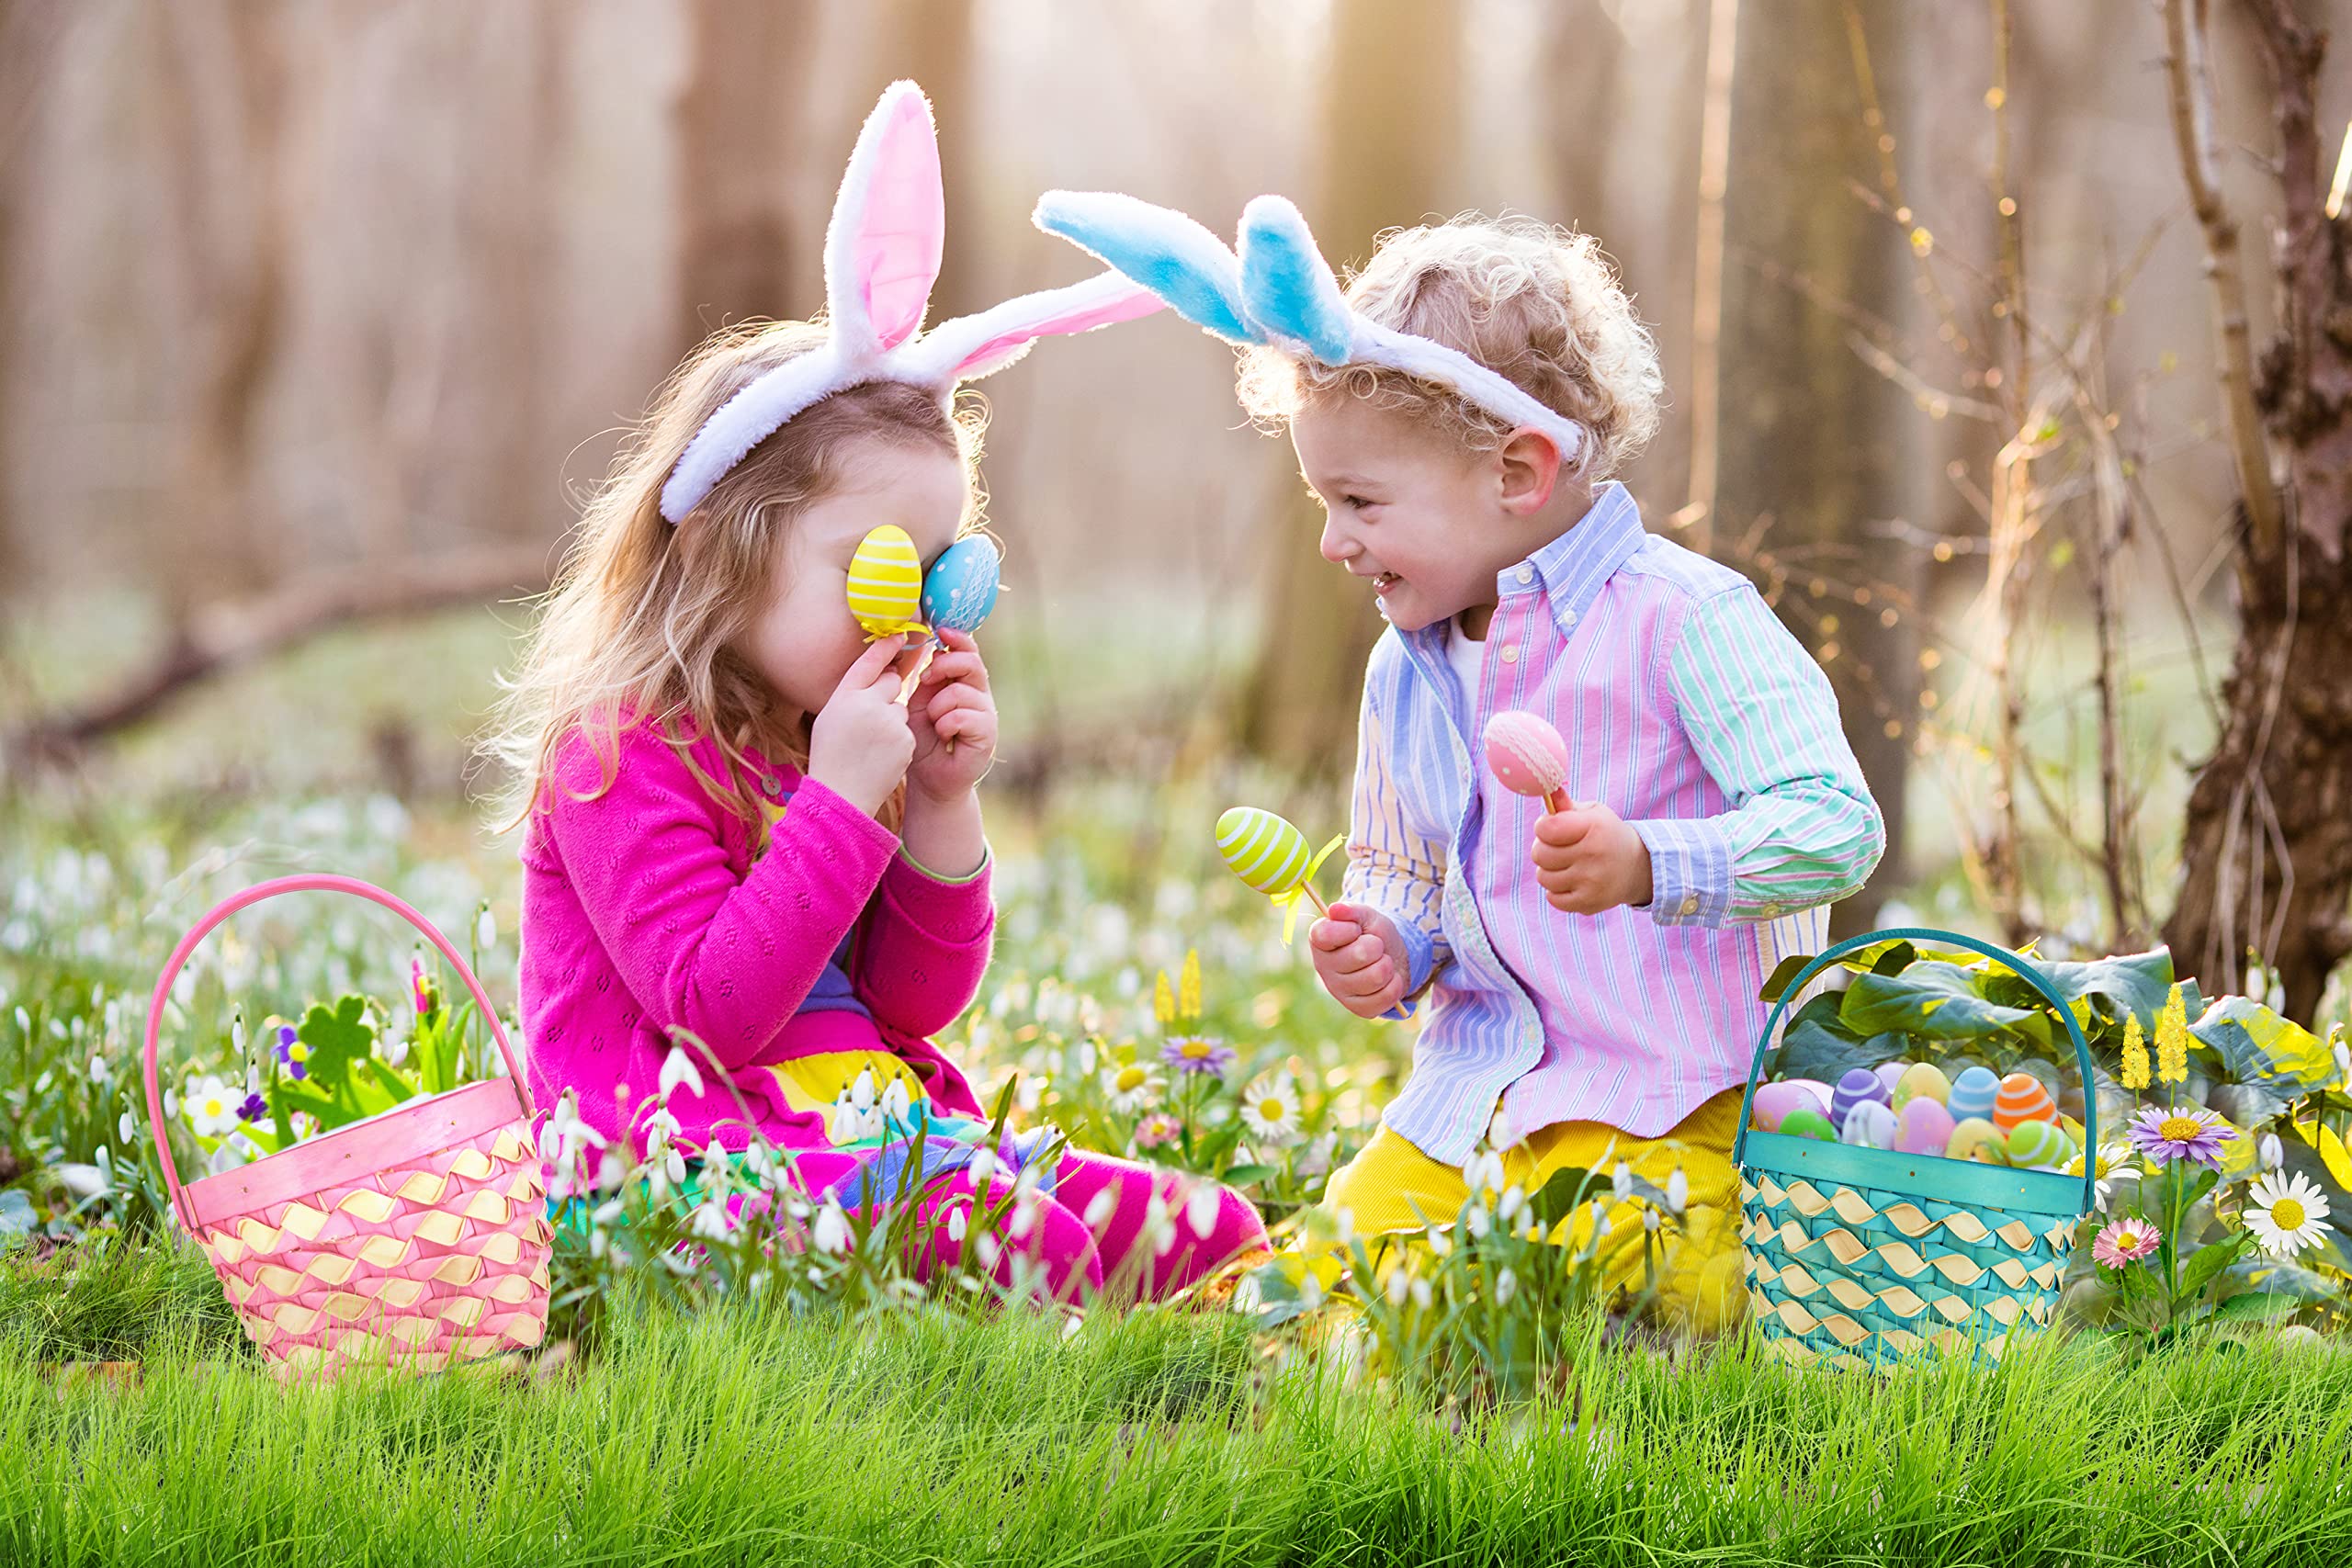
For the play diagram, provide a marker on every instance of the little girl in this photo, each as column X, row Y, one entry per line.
column 1589, row 974
column 739, row 825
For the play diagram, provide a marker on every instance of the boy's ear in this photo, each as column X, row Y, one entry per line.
column 1529, row 466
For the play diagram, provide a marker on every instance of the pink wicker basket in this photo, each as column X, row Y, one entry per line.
column 417, row 1237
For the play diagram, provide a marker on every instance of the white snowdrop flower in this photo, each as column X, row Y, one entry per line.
column 2343, row 1056
column 1620, row 1181
column 598, row 1241
column 98, row 1069
column 1024, row 1220
column 1480, row 1220
column 1200, row 1210
column 171, row 1105
column 989, row 1250
column 1310, row 1293
column 832, row 1233
column 485, row 927
column 1500, row 1132
column 1400, row 1281
column 1513, row 1200
column 1420, row 1293
column 678, row 1068
column 1089, row 1058
column 236, row 1031
column 1441, row 1243
column 1031, row 1094
column 608, row 1213
column 982, row 1168
column 125, row 1126
column 1099, row 1209
column 1600, row 1221
column 1025, row 1184
column 710, row 1221
column 861, row 1093
column 1506, row 1286
column 1650, row 1220
column 959, row 1224
column 394, row 1051
column 674, row 1164
column 2273, row 1156
column 842, row 1128
column 1677, row 1191
column 1071, row 1324
column 1347, row 1222
column 897, row 1104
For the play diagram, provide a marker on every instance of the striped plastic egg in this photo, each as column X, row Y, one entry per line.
column 959, row 590
column 1976, row 1139
column 1872, row 1124
column 1859, row 1086
column 1263, row 850
column 886, row 583
column 2038, row 1145
column 1972, row 1093
column 2023, row 1097
column 1922, row 1127
column 1922, row 1080
column 1776, row 1101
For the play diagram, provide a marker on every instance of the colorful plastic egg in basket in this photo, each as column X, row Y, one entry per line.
column 417, row 1237
column 1857, row 1256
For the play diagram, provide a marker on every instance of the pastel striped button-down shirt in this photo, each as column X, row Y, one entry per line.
column 1689, row 711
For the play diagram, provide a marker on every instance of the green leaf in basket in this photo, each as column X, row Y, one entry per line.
column 2256, row 1046
column 1817, row 1043
column 2133, row 982
column 2253, row 1306
column 1934, row 998
column 336, row 1039
column 1784, row 975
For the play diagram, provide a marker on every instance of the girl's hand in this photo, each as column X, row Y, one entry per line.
column 1359, row 958
column 952, row 703
column 1588, row 858
column 859, row 745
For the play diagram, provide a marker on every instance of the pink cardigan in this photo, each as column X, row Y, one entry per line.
column 643, row 910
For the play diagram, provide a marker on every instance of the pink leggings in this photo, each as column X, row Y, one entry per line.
column 1079, row 1258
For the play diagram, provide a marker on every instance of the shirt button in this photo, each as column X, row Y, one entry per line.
column 1568, row 617
column 1510, row 653
column 1771, row 911
column 772, row 786
column 1526, row 574
column 1690, row 904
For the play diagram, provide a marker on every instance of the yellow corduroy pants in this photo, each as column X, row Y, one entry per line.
column 1392, row 1186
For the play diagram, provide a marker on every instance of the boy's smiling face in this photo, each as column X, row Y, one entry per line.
column 1426, row 521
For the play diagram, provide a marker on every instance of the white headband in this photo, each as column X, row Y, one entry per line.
column 882, row 251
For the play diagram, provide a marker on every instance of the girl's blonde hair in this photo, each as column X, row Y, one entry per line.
column 1540, row 306
column 645, row 621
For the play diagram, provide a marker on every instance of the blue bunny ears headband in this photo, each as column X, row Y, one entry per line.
column 1277, row 290
column 882, row 253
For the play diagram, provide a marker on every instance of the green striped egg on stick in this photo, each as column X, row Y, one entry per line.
column 1269, row 854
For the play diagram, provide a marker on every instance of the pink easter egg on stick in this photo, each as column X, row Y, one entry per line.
column 1529, row 756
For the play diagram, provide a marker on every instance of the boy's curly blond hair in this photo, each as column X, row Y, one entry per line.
column 1539, row 306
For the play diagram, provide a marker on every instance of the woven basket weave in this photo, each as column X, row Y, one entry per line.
column 1856, row 1257
column 417, row 1237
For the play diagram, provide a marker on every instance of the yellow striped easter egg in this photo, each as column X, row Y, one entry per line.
column 1263, row 850
column 886, row 583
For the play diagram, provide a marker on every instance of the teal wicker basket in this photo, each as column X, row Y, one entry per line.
column 1858, row 1256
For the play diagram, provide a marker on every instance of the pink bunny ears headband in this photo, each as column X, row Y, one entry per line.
column 882, row 251
column 1279, row 291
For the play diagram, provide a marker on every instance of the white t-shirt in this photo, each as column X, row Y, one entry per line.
column 1467, row 655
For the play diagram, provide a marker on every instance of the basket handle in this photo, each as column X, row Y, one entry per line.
column 2018, row 965
column 309, row 883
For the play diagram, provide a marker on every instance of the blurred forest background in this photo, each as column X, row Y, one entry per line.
column 2008, row 349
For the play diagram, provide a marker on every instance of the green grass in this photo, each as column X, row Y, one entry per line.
column 738, row 1436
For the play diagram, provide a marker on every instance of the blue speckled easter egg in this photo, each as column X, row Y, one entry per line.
column 959, row 590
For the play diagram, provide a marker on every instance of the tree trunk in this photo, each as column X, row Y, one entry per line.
column 2268, row 844
column 735, row 258
column 1392, row 101
column 1815, row 444
column 28, row 29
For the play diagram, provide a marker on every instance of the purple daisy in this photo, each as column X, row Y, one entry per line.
column 253, row 1109
column 1197, row 1054
column 293, row 1053
column 2185, row 1131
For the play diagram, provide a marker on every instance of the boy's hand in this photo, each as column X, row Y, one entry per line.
column 1359, row 958
column 952, row 703
column 1588, row 859
column 859, row 745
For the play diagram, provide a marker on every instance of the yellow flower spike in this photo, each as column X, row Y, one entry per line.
column 2172, row 1039
column 1188, row 995
column 1163, row 1000
column 2135, row 1053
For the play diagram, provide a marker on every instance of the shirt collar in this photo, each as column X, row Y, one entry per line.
column 1573, row 567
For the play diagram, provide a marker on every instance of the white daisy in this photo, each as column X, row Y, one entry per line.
column 2284, row 1215
column 2116, row 1163
column 1270, row 1109
column 1130, row 1086
column 211, row 1108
